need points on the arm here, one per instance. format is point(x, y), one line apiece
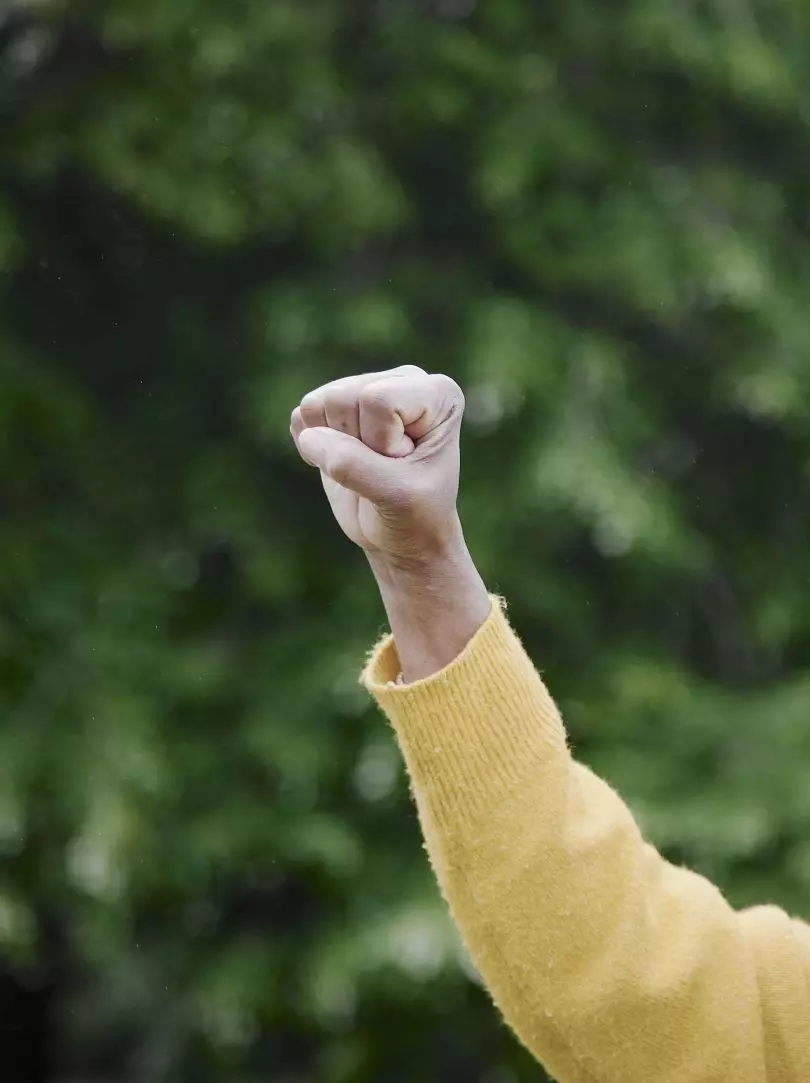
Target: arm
point(608, 962)
point(612, 965)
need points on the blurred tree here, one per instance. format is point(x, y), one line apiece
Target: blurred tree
point(594, 217)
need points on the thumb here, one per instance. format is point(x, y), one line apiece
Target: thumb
point(350, 463)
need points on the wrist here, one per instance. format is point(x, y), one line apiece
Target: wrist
point(435, 605)
point(433, 557)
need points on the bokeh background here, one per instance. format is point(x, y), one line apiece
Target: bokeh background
point(596, 218)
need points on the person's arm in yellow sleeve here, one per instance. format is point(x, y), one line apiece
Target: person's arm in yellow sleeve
point(610, 964)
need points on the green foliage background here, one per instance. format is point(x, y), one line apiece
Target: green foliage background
point(595, 217)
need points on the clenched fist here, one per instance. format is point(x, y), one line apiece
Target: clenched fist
point(387, 447)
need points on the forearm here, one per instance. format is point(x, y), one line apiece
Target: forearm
point(434, 606)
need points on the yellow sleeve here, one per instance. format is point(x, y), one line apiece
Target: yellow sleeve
point(610, 964)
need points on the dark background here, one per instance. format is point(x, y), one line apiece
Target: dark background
point(595, 217)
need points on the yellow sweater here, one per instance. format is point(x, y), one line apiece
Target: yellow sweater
point(611, 965)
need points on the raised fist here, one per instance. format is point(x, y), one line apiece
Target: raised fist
point(387, 446)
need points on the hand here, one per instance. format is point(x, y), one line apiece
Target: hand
point(387, 446)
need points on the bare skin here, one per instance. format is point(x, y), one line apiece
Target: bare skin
point(387, 447)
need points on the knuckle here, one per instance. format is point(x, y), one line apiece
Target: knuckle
point(339, 467)
point(451, 392)
point(374, 398)
point(447, 384)
point(340, 398)
point(311, 404)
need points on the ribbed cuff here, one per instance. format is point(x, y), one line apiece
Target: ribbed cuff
point(476, 729)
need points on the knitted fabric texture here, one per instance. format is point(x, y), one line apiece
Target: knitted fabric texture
point(609, 963)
